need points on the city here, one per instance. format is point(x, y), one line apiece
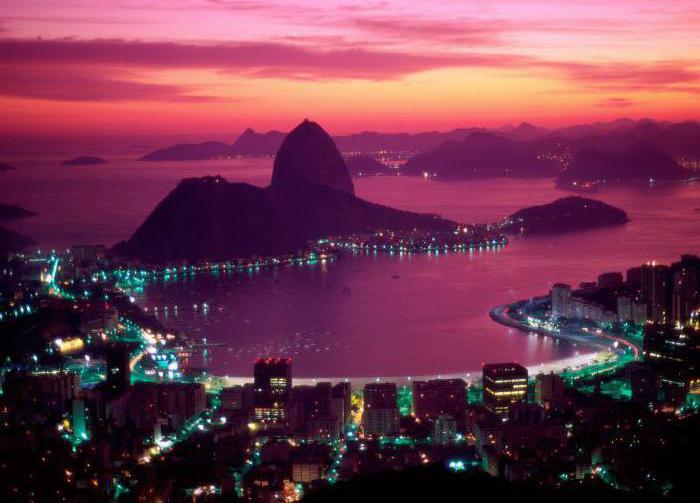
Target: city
point(279, 251)
point(129, 403)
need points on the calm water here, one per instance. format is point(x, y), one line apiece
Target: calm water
point(352, 317)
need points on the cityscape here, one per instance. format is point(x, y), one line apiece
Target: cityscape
point(472, 273)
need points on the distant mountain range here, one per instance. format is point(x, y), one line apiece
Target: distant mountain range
point(13, 212)
point(10, 241)
point(311, 196)
point(483, 155)
point(642, 161)
point(680, 140)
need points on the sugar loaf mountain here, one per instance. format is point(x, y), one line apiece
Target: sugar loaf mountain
point(311, 196)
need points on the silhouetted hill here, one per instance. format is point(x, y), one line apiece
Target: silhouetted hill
point(254, 144)
point(84, 160)
point(567, 214)
point(13, 212)
point(523, 131)
point(311, 196)
point(364, 165)
point(190, 152)
point(418, 484)
point(6, 167)
point(641, 162)
point(309, 155)
point(484, 155)
point(11, 241)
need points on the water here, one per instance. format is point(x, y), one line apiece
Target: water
point(354, 317)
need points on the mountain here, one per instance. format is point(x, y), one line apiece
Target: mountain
point(10, 241)
point(370, 141)
point(523, 131)
point(308, 154)
point(364, 165)
point(641, 162)
point(311, 196)
point(13, 212)
point(6, 167)
point(483, 155)
point(190, 152)
point(567, 214)
point(85, 160)
point(254, 144)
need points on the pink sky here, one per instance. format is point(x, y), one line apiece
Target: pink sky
point(89, 67)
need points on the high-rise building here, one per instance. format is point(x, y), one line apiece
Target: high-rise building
point(633, 278)
point(549, 390)
point(381, 412)
point(561, 294)
point(610, 280)
point(444, 430)
point(686, 288)
point(311, 412)
point(440, 396)
point(505, 384)
point(39, 397)
point(655, 290)
point(624, 309)
point(341, 402)
point(273, 384)
point(118, 367)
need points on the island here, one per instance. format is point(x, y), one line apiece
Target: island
point(567, 214)
point(13, 212)
point(365, 165)
point(249, 144)
point(311, 196)
point(10, 241)
point(190, 152)
point(641, 162)
point(84, 160)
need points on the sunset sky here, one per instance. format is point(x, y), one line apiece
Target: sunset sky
point(91, 66)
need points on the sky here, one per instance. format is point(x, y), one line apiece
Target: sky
point(218, 66)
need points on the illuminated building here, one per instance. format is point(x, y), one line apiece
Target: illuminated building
point(310, 414)
point(645, 382)
point(549, 390)
point(341, 402)
point(381, 412)
point(505, 384)
point(38, 397)
point(88, 253)
point(631, 310)
point(686, 288)
point(440, 396)
point(561, 294)
point(675, 352)
point(273, 385)
point(238, 398)
point(118, 369)
point(145, 405)
point(444, 430)
point(655, 290)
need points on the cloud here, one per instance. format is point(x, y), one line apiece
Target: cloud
point(66, 84)
point(248, 58)
point(615, 103)
point(663, 75)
